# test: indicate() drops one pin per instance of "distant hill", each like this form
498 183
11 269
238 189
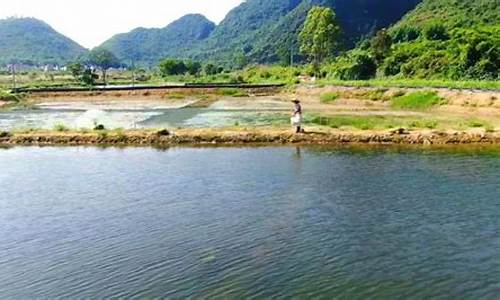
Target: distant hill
32 41
243 27
148 46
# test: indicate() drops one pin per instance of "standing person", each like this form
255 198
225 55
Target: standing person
297 116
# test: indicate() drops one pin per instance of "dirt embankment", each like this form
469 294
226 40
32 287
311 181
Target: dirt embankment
162 138
147 94
457 100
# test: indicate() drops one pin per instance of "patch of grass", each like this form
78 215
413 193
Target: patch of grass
374 95
233 92
60 128
421 100
476 123
175 96
429 124
329 97
363 123
374 122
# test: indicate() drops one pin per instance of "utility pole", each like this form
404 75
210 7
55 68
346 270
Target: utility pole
14 79
133 72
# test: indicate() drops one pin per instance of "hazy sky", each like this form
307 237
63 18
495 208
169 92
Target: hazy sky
91 22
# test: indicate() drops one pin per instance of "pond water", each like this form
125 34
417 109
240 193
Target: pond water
249 222
148 114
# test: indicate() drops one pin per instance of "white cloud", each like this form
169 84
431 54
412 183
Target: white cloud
90 22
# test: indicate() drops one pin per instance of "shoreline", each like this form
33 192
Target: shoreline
247 137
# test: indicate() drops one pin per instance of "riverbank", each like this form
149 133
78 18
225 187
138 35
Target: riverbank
244 136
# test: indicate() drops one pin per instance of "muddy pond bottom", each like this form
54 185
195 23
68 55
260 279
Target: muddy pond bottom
237 223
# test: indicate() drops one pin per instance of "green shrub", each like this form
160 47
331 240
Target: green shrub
329 97
406 34
436 32
356 65
418 100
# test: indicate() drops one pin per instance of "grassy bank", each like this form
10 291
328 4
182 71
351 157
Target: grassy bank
416 83
244 136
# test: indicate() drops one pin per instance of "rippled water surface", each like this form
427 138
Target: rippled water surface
249 222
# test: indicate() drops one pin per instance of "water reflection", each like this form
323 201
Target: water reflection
290 222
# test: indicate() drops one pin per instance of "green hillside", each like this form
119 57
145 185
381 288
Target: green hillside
358 18
265 31
31 41
451 39
148 46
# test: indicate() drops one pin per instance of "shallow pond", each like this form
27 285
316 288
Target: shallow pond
249 222
147 114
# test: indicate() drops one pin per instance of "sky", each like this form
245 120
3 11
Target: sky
91 22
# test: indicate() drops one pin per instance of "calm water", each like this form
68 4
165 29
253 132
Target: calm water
248 222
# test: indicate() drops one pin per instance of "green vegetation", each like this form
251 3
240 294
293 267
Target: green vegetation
329 97
318 37
374 122
463 44
394 122
421 100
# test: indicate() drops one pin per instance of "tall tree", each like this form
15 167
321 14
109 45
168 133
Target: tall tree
381 45
319 36
76 70
103 59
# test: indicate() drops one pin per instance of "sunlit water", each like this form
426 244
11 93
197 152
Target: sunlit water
146 114
93 223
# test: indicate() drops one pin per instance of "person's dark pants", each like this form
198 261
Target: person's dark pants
298 129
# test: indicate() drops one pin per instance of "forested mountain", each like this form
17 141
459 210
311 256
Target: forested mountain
148 46
31 41
259 31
